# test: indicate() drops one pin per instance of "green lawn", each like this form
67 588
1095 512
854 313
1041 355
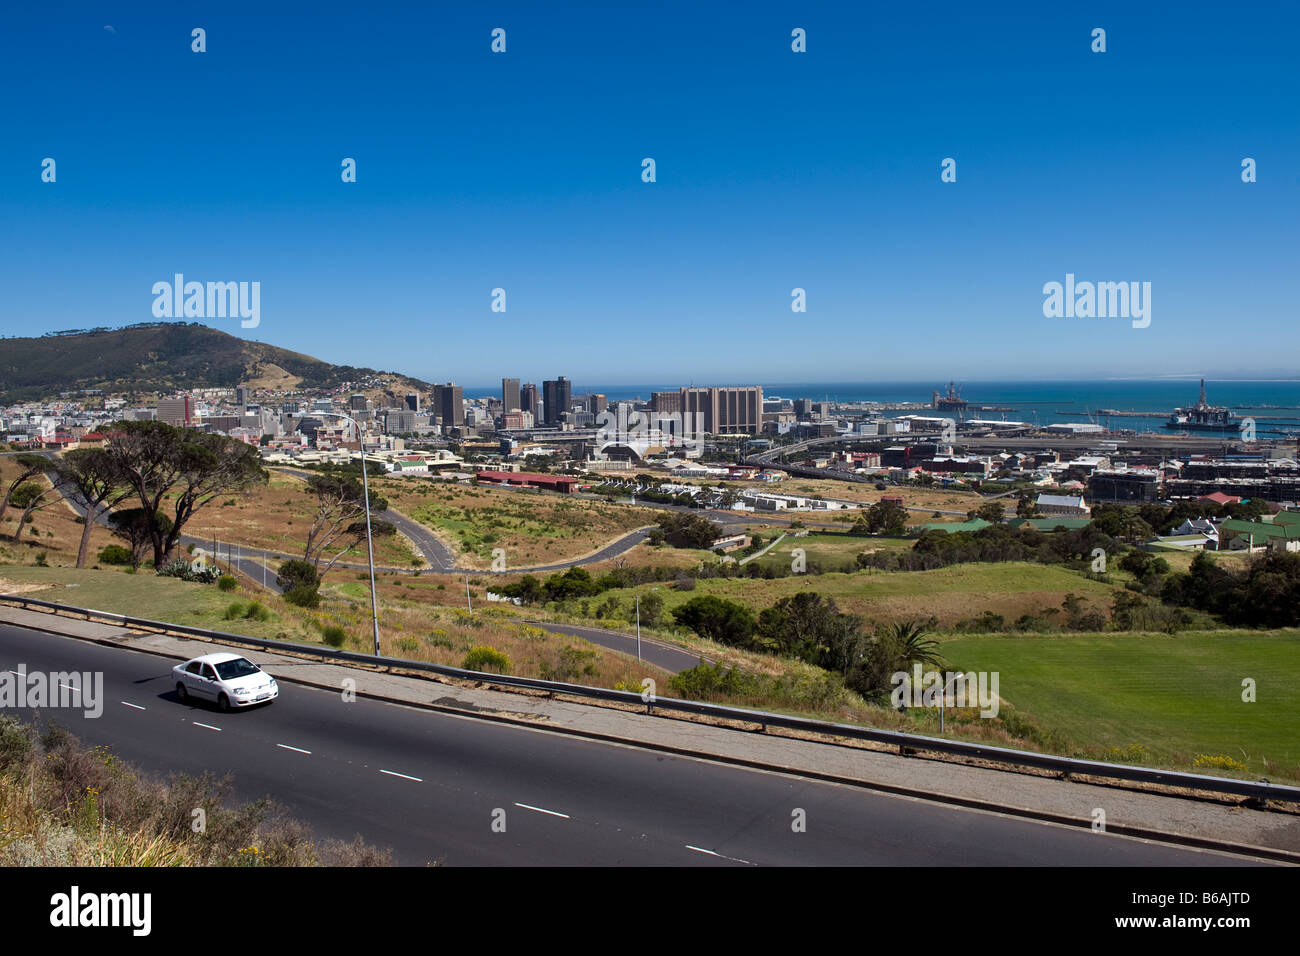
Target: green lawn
1174 696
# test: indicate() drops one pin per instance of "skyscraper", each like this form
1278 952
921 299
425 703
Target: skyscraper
556 396
510 395
530 399
449 403
725 411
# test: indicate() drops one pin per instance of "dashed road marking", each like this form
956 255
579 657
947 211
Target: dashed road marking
208 726
297 749
553 813
129 704
700 849
393 773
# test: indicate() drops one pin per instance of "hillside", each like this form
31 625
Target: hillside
163 357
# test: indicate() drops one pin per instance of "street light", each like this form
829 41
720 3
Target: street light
370 541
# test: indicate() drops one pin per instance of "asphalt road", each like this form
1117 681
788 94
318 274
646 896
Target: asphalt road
430 785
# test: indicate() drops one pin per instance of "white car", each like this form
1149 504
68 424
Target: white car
226 679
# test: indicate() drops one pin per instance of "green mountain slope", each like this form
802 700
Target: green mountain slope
158 357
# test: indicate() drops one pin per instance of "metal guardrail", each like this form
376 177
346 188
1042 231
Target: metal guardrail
1261 790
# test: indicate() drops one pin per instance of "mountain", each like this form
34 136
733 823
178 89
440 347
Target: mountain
165 357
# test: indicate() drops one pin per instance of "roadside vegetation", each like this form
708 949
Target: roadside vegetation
64 804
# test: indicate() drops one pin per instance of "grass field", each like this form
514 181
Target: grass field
829 550
951 594
532 528
1174 697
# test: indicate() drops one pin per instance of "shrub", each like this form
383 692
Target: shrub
1218 762
256 612
227 582
303 596
115 554
333 635
482 658
235 610
42 559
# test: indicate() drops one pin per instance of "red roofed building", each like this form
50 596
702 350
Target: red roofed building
1220 499
529 479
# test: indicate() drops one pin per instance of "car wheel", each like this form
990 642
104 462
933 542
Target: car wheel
181 693
223 703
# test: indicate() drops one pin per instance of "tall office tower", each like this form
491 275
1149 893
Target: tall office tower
412 402
556 396
449 402
597 403
241 395
725 411
530 400
665 402
357 403
510 395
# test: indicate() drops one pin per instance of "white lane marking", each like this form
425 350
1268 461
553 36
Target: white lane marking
392 773
136 706
543 810
700 849
209 726
298 749
70 687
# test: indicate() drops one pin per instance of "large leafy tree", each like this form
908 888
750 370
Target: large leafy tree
90 480
159 460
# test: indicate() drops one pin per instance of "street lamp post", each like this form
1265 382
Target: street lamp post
370 541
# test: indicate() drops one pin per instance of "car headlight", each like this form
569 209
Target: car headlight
241 690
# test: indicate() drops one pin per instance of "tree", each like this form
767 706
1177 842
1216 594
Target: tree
717 620
885 517
137 528
31 496
652 609
299 582
991 511
29 466
193 467
89 480
897 647
689 531
1026 507
810 626
340 501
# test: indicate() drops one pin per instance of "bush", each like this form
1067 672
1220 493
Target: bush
303 596
333 635
227 582
256 612
299 582
481 658
235 610
115 554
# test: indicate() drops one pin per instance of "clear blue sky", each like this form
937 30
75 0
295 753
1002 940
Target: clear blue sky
775 170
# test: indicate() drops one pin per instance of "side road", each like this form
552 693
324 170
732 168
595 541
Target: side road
1186 821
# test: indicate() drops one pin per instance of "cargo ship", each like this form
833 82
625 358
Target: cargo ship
1203 417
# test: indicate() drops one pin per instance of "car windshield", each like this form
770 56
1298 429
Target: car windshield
239 667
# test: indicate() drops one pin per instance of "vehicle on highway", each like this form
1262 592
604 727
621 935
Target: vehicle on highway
226 679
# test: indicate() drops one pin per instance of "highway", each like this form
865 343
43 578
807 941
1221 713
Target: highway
430 785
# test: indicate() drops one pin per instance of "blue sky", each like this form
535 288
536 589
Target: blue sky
775 170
